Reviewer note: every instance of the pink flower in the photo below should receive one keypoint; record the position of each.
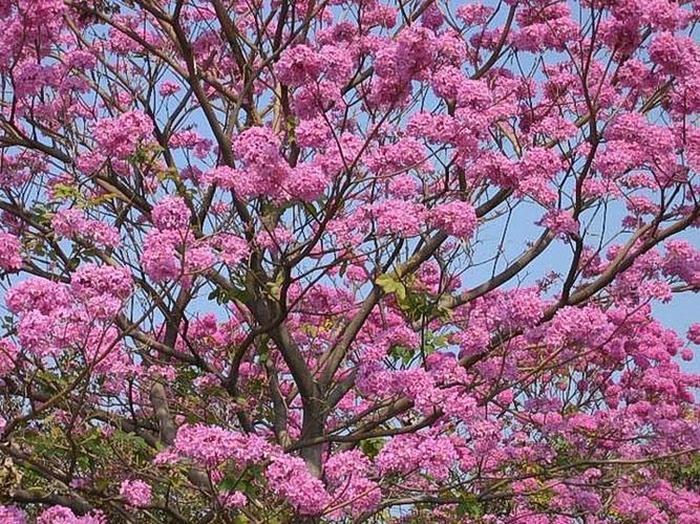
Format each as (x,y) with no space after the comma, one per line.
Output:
(37,295)
(120,136)
(91,280)
(159,259)
(474,14)
(405,453)
(694,333)
(63,515)
(191,140)
(347,473)
(72,223)
(456,218)
(560,222)
(136,493)
(171,213)
(212,445)
(12,514)
(168,88)
(258,146)
(232,499)
(677,55)
(306,182)
(232,249)
(313,132)
(398,217)
(10,256)
(290,479)
(9,353)
(298,65)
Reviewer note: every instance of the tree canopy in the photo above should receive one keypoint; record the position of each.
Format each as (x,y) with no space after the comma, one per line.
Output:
(269,261)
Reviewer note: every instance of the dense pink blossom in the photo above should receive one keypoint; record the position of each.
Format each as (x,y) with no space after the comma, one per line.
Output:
(560,222)
(306,182)
(299,65)
(119,137)
(356,261)
(211,445)
(9,351)
(405,453)
(232,249)
(694,333)
(91,281)
(233,499)
(136,493)
(160,258)
(171,213)
(456,218)
(12,515)
(258,147)
(351,488)
(63,515)
(290,479)
(37,294)
(398,217)
(72,223)
(10,256)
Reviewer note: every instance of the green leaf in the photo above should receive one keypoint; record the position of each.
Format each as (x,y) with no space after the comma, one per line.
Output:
(372,446)
(403,353)
(434,342)
(390,284)
(469,506)
(228,483)
(66,191)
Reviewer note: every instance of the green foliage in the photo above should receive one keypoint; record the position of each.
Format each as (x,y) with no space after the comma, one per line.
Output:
(224,296)
(469,506)
(145,154)
(391,285)
(66,192)
(371,446)
(42,214)
(415,304)
(684,470)
(402,353)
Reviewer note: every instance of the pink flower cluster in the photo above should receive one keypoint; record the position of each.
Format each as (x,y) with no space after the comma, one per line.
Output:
(406,453)
(212,445)
(12,515)
(54,317)
(290,479)
(287,475)
(171,252)
(347,475)
(9,353)
(72,223)
(119,137)
(233,499)
(10,255)
(398,217)
(136,493)
(229,153)
(456,218)
(171,213)
(64,515)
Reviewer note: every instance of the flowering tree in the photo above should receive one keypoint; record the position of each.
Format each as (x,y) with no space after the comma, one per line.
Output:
(347,261)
